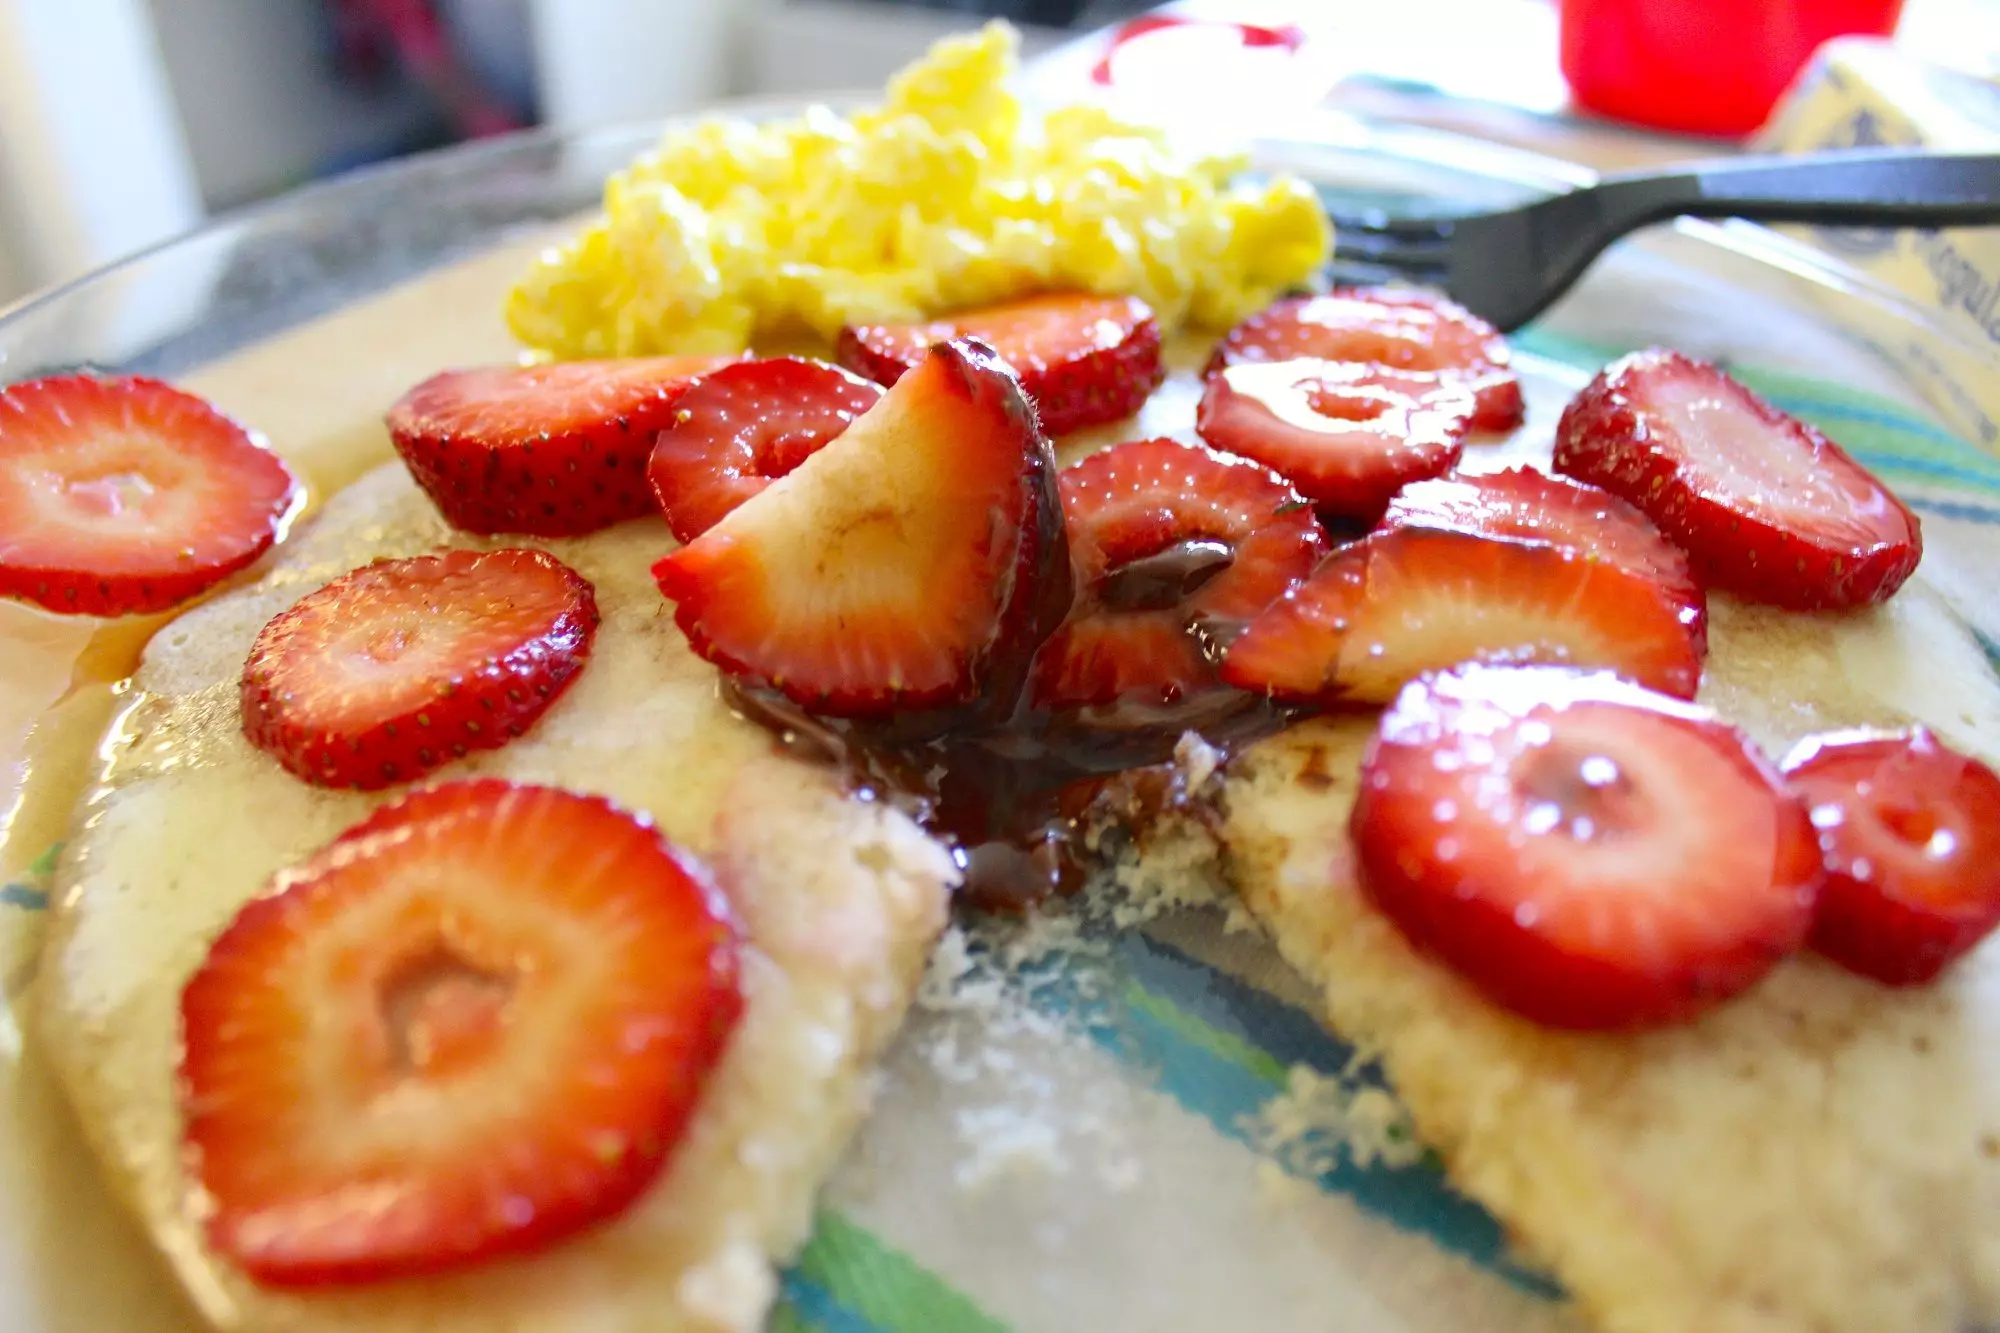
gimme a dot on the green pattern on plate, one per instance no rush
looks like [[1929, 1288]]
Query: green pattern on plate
[[873, 1286], [787, 1319], [1193, 1032], [32, 894]]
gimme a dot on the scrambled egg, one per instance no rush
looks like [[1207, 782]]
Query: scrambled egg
[[949, 195]]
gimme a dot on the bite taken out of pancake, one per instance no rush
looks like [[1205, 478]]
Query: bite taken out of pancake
[[1818, 1154], [839, 902]]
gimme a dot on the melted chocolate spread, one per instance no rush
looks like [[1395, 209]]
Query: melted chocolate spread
[[1008, 784], [1012, 799], [1165, 579]]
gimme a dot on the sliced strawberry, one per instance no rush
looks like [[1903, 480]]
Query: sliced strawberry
[[915, 562], [1386, 326], [1084, 360], [1105, 656], [1586, 852], [1347, 436], [552, 450], [468, 1028], [743, 426], [125, 495], [1910, 830], [1404, 601], [402, 665], [1171, 545], [1293, 651], [1766, 506], [1522, 502]]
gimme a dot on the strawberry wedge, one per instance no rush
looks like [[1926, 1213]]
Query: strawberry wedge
[[1347, 436], [1530, 505], [126, 496], [1083, 360], [1393, 328], [742, 427], [1407, 600], [914, 563], [1765, 505], [554, 451], [1910, 830], [1171, 545]]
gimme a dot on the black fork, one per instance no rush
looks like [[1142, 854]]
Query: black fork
[[1509, 265]]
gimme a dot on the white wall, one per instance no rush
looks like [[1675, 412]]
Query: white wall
[[92, 160], [13, 273], [809, 46], [259, 98], [609, 60], [599, 61]]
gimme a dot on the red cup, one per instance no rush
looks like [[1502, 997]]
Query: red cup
[[1701, 66]]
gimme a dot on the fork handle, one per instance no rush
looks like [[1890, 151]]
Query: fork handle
[[1860, 187]]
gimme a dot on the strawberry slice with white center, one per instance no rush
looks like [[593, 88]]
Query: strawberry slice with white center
[[1910, 830], [743, 426], [1084, 360], [914, 563], [1403, 601], [1765, 505], [125, 495], [400, 666], [1395, 328], [471, 1026], [1171, 545], [1531, 505], [554, 450], [1347, 436], [1587, 853]]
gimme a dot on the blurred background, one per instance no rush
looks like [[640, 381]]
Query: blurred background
[[126, 121]]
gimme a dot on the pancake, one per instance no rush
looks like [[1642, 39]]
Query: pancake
[[1819, 1155], [840, 898]]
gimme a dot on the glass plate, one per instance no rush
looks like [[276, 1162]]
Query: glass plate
[[275, 265], [899, 1246]]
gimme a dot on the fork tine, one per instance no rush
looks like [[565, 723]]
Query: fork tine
[[1347, 273], [1375, 221], [1395, 252]]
